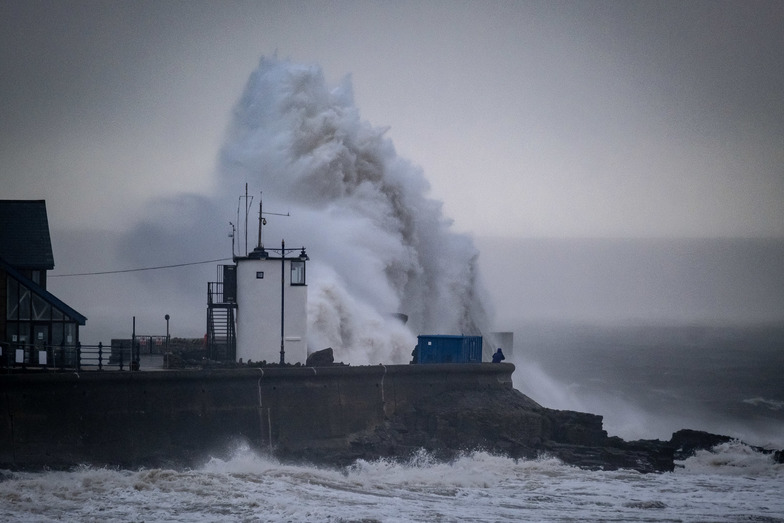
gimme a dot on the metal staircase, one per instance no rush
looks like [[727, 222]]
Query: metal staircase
[[221, 326]]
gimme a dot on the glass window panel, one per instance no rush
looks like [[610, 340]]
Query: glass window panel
[[41, 309], [40, 335], [24, 303], [57, 334], [57, 314], [298, 273], [12, 332], [24, 333], [70, 333], [12, 299]]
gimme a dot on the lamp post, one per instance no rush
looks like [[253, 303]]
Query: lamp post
[[167, 332], [282, 296], [302, 257]]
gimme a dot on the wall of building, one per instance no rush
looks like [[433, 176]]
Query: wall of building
[[133, 419], [259, 310]]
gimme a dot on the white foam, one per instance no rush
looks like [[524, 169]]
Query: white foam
[[733, 458], [378, 244], [733, 483]]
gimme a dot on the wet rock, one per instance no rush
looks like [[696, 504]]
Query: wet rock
[[505, 423], [686, 442], [320, 358]]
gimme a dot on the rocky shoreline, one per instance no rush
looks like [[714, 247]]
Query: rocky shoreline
[[511, 424], [501, 421]]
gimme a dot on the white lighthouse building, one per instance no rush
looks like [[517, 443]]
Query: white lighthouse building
[[272, 301], [257, 311]]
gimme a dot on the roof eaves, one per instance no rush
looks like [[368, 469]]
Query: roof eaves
[[43, 293]]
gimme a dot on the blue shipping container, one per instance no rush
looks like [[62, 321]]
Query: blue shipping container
[[444, 348]]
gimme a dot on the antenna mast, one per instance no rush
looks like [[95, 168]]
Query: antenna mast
[[231, 235], [262, 221], [248, 202]]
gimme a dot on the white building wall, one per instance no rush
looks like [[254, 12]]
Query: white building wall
[[258, 312]]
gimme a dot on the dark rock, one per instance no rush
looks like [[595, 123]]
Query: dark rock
[[320, 358], [501, 421], [505, 423], [686, 442]]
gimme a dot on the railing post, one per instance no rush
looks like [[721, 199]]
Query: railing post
[[100, 355], [78, 356]]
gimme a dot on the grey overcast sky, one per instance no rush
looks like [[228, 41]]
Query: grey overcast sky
[[529, 119]]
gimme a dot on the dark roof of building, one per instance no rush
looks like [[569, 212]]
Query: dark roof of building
[[24, 234], [43, 293]]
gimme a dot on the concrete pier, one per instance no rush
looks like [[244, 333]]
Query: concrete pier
[[171, 418]]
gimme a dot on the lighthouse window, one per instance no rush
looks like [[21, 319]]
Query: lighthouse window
[[297, 272]]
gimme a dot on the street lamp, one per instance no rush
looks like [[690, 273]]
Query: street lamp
[[167, 332], [302, 257]]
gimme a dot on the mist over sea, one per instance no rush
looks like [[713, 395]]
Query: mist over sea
[[654, 334], [651, 380]]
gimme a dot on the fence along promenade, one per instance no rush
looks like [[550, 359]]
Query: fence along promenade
[[69, 357]]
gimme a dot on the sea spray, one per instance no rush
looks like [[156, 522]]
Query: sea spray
[[378, 244], [730, 483]]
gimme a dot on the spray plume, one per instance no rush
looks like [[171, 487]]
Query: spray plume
[[377, 244]]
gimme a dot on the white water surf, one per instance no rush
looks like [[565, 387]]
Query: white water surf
[[733, 483]]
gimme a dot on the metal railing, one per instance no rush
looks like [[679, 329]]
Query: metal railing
[[66, 357], [221, 333]]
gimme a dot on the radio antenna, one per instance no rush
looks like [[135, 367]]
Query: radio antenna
[[263, 220], [248, 202]]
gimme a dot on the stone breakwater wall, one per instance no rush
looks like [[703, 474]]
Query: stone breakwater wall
[[180, 418]]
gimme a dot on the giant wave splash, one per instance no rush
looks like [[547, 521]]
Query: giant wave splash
[[378, 244]]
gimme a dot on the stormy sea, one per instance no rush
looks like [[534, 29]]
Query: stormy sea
[[380, 245], [647, 381]]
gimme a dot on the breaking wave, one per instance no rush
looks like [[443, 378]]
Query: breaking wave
[[731, 483], [378, 244]]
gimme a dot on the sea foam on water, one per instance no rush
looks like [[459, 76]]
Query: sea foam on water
[[732, 483]]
